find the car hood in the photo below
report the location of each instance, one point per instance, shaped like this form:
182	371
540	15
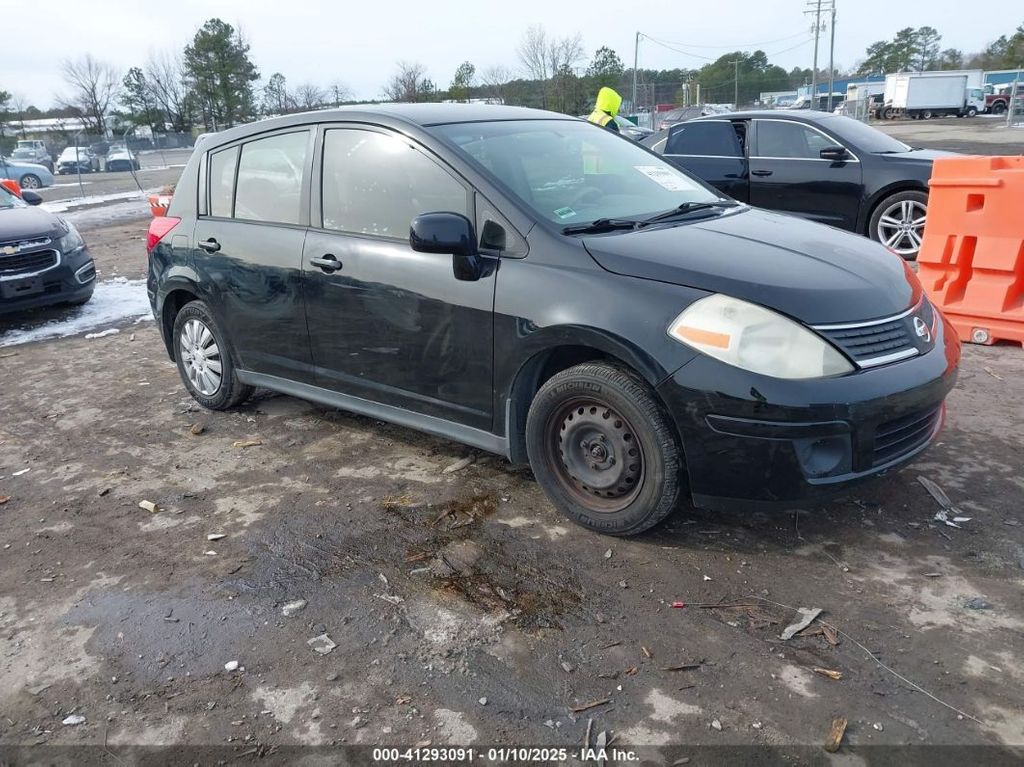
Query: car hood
23	223
809	271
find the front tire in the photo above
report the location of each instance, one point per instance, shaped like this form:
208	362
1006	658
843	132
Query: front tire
898	223
603	449
204	360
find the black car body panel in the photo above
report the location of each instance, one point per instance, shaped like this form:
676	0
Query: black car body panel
815	274
34	270
393	333
840	193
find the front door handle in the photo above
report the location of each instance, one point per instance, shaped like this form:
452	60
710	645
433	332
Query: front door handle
328	262
761	172
210	245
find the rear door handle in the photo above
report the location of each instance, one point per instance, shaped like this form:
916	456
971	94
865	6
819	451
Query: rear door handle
328	262
210	245
761	172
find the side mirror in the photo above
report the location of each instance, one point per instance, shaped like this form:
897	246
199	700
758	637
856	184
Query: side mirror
442	233
448	233
32	198
834	153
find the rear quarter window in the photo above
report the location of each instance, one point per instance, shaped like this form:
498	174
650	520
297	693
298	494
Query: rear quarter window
222	181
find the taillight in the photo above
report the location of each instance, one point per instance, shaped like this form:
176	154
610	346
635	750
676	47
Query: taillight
158	229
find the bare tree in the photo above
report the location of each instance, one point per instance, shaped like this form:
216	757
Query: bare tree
543	56
20	104
309	96
93	84
494	80
165	75
339	92
409	83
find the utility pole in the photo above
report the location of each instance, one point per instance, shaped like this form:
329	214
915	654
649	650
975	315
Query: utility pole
831	57
736	86
814	7
636	61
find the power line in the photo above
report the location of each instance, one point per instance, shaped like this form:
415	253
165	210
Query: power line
663	44
733	46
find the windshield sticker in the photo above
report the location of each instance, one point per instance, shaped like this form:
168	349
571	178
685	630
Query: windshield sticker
666	178
564	213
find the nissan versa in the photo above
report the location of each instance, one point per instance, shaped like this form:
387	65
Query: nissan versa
534	286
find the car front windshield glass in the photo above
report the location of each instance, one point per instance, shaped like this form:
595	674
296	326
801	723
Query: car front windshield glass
571	172
864	137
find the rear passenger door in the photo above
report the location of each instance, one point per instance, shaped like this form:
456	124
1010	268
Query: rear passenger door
712	150
248	249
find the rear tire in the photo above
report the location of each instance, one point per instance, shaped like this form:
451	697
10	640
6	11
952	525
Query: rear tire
603	449
30	181
204	359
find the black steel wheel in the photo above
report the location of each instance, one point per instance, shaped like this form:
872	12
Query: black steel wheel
603	449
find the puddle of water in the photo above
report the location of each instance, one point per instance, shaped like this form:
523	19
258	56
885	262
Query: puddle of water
113	301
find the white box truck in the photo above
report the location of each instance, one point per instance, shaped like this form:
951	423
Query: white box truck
933	94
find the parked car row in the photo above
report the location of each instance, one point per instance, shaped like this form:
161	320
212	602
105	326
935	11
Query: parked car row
32	168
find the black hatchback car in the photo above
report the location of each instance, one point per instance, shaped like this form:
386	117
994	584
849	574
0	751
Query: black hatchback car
823	167
43	259
534	286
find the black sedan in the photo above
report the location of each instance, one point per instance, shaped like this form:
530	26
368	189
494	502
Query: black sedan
819	166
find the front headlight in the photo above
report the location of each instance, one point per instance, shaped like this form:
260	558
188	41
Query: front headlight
71	241
753	338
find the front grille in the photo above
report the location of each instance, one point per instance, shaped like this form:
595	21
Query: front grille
880	341
873	341
28	263
905	434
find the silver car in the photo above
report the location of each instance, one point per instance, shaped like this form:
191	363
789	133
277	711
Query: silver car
28	175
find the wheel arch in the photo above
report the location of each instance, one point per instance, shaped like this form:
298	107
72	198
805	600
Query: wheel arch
559	355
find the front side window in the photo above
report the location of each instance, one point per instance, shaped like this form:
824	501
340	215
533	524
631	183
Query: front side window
376	183
222	181
569	171
270	173
777	139
704	139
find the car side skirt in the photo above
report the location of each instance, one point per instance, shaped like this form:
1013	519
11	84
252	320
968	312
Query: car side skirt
439	427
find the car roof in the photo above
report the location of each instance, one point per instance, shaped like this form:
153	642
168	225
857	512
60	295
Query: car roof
795	115
421	115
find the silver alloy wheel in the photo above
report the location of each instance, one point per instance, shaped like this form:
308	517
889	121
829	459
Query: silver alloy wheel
901	227
28	181
200	357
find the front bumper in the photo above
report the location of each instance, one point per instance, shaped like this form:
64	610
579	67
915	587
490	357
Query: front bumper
72	280
755	442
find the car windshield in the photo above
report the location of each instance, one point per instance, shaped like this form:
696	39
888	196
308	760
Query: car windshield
571	172
10	200
864	137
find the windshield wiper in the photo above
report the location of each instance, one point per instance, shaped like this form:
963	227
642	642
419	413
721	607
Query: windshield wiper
688	207
602	225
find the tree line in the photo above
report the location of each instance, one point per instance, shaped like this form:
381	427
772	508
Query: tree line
212	83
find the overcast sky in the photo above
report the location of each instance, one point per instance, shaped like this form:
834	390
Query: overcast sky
359	42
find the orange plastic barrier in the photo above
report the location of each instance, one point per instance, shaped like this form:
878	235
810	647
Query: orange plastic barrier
971	262
11	185
158	204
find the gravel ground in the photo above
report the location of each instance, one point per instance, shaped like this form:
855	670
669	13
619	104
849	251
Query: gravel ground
462	607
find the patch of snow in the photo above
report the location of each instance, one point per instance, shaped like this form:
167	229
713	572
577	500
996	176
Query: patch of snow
63	206
113	301
108	214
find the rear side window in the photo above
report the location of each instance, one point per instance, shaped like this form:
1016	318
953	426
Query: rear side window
270	173
705	139
377	184
222	181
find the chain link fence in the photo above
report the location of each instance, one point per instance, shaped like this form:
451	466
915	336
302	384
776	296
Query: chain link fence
1015	110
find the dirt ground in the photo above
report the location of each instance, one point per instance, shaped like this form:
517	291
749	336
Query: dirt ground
462	607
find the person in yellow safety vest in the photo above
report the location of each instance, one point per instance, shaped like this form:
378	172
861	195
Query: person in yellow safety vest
607	106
